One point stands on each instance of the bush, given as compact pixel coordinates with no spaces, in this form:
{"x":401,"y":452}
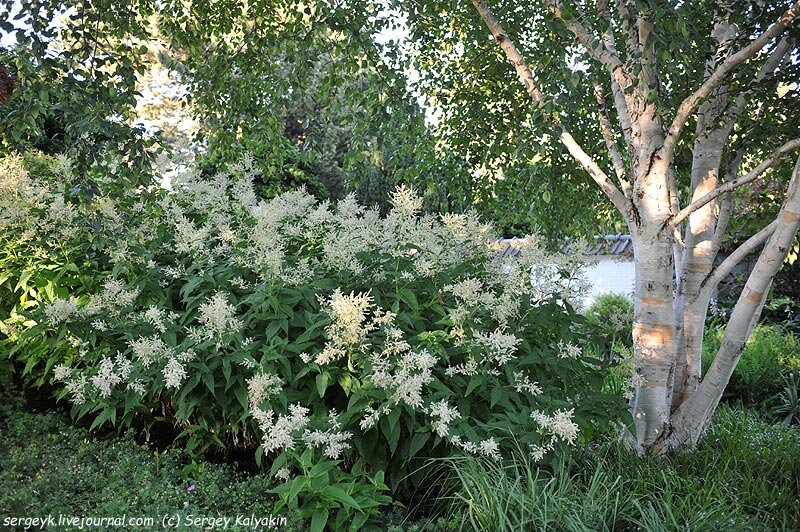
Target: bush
{"x":346,"y":346}
{"x":612,"y":315}
{"x":770,"y":355}
{"x":58,"y":237}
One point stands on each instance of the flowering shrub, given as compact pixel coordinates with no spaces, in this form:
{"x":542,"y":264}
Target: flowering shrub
{"x":328,"y":333}
{"x":58,"y":238}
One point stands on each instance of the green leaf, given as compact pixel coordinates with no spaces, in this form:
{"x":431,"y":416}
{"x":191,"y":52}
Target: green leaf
{"x":319,"y":520}
{"x":322,"y":383}
{"x":338,"y":494}
{"x":417,"y":442}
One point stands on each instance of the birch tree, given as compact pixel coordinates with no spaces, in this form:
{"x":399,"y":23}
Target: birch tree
{"x":620,"y":51}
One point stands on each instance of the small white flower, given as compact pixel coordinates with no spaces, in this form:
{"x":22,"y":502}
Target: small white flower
{"x":445,"y":414}
{"x":60,"y":311}
{"x":262,"y":386}
{"x":174,"y":373}
{"x":62,"y":372}
{"x":217,"y":316}
{"x":559,"y":424}
{"x":568,"y":350}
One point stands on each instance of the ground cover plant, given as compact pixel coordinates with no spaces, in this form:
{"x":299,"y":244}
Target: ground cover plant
{"x":345,"y":347}
{"x":749,"y":470}
{"x":107,"y":475}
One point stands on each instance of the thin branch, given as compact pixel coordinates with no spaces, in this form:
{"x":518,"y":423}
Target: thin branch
{"x":594,"y":46}
{"x":674,"y":202}
{"x":621,"y":105}
{"x":724,"y":268}
{"x":722,"y":224}
{"x":609,"y":138}
{"x":775,"y":59}
{"x":717,"y":77}
{"x":752,"y":175}
{"x":605,"y":52}
{"x":625,"y":17}
{"x":535,"y":92}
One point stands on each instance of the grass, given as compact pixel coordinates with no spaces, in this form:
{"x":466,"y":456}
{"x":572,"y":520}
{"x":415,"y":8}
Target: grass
{"x":769,"y":355}
{"x":745,"y":476}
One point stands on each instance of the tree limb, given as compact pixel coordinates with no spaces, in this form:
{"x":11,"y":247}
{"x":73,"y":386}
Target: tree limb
{"x":722,"y":224}
{"x":724,"y":268}
{"x":625,"y":17}
{"x":609,"y":138}
{"x":693,"y":416}
{"x":752,"y":175}
{"x":535,"y":92}
{"x":716,"y":78}
{"x":594,"y":46}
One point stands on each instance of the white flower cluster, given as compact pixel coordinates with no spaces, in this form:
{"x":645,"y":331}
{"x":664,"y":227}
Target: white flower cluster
{"x":523,"y":384}
{"x":349,"y":324}
{"x":283,"y":474}
{"x":217,"y":317}
{"x":401,"y":369}
{"x":488,"y":447}
{"x":149,"y":349}
{"x":443,"y":415}
{"x":373,"y":415}
{"x":500,"y":346}
{"x":568,"y":350}
{"x":334,"y":439}
{"x":632,"y":384}
{"x":174,"y":373}
{"x":262,"y":386}
{"x":60,"y":311}
{"x":279,"y":432}
{"x":114,"y":298}
{"x":559,"y":424}
{"x":111,"y":373}
{"x":156,"y":317}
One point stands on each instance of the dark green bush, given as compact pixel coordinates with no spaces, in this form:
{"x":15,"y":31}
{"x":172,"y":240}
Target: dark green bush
{"x":768,"y":357}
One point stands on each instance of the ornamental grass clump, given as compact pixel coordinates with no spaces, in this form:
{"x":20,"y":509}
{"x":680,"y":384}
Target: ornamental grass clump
{"x":318,"y":332}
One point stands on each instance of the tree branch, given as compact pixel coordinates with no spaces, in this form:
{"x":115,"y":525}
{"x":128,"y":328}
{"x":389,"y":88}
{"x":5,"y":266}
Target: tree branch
{"x":594,"y":46}
{"x":625,"y":18}
{"x":722,"y":224}
{"x":610,"y":140}
{"x":716,"y":78}
{"x":752,"y":175}
{"x":696,"y":411}
{"x":535,"y":92}
{"x":724,"y":268}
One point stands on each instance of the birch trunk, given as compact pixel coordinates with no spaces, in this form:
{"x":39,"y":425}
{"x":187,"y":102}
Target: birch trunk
{"x":691,"y":305}
{"x":692,"y":418}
